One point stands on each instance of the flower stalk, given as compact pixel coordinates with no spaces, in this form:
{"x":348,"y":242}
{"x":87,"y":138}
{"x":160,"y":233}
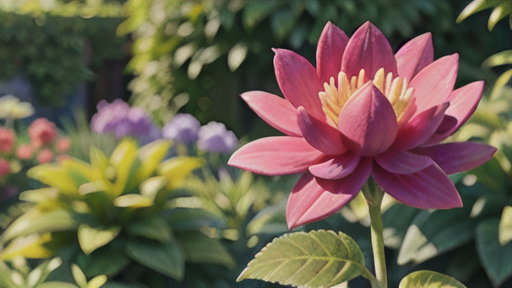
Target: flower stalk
{"x":374,"y":195}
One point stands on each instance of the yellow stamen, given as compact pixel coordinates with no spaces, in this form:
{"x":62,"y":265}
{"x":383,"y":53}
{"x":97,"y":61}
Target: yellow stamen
{"x":334,"y":97}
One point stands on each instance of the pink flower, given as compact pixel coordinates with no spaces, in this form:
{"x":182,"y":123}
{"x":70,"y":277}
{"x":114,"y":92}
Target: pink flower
{"x":45,"y":156}
{"x":42,"y":132}
{"x":24,"y":152}
{"x":63,"y":144}
{"x":5,"y":167}
{"x":7,"y":139}
{"x":364,"y":112}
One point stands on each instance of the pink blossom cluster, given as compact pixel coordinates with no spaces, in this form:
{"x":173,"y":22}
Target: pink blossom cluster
{"x":45,"y":146}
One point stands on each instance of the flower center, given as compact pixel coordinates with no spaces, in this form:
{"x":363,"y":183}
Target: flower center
{"x":396,"y":90}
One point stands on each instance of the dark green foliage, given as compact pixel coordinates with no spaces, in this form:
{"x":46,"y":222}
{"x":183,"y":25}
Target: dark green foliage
{"x":52,"y":51}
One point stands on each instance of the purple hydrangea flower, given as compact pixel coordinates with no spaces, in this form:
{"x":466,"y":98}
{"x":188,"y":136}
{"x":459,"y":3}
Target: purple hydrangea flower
{"x":214,"y":137}
{"x":183,"y":128}
{"x":123,"y":121}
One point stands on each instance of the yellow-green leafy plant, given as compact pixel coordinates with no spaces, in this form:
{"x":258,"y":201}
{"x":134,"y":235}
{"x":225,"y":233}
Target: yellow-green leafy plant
{"x":21,"y":276}
{"x":111,"y":213}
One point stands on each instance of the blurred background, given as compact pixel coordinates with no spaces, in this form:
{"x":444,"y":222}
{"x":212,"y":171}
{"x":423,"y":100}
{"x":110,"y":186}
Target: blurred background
{"x":65,"y":61}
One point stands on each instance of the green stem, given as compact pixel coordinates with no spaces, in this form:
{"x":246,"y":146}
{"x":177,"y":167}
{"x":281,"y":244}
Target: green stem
{"x":374,"y":196}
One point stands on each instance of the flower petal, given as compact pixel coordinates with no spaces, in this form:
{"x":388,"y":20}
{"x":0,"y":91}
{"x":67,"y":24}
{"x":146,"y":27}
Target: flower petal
{"x":368,"y":121}
{"x":402,"y":162}
{"x":417,"y":131}
{"x":458,"y":157}
{"x":320,"y":135}
{"x":414,"y":56}
{"x":329,"y":51}
{"x":429,"y":188}
{"x":463,"y":103}
{"x":368,"y":49}
{"x":275,"y":156}
{"x":337,"y":167}
{"x":434,"y":83}
{"x":298,"y":81}
{"x":313,"y":199}
{"x":274,"y":110}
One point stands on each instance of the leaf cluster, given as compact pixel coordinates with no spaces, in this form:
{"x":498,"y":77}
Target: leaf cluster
{"x":115,"y":214}
{"x":49,"y":45}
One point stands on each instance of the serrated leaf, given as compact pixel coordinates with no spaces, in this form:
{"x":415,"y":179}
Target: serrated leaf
{"x":155,"y":228}
{"x":55,"y":284}
{"x":200,"y":248}
{"x":39,"y":274}
{"x":165,"y":258}
{"x":494,"y":257}
{"x":36,"y":221}
{"x":78,"y":276}
{"x":505,"y":227}
{"x":91,"y":238}
{"x":429,"y":279}
{"x":432,"y":233}
{"x":314,"y":259}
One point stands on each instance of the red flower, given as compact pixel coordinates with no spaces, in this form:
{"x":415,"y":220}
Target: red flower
{"x":45,"y":156}
{"x":5,"y":167}
{"x":7,"y":139}
{"x":24,"y":152}
{"x":42,"y":132}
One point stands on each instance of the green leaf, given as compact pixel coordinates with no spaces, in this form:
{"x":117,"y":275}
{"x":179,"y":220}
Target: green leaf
{"x":108,"y":261}
{"x":501,"y":11}
{"x":429,"y":279}
{"x":200,"y":248}
{"x":494,"y":257}
{"x":165,"y":258}
{"x":432,"y":233}
{"x":150,"y":187}
{"x":39,"y":195}
{"x":97,"y":281}
{"x":39,"y":274}
{"x":502,"y":81}
{"x":31,"y":246}
{"x":56,"y":285}
{"x":133,"y":201}
{"x":506,"y":226}
{"x":314,"y":259}
{"x":37,"y":221}
{"x":78,"y":276}
{"x":150,"y":156}
{"x":255,"y":12}
{"x":396,"y":220}
{"x":53,"y":176}
{"x":193,"y":219}
{"x":155,"y":228}
{"x":475,"y":6}
{"x":501,"y":58}
{"x":91,"y":238}
{"x":5,"y":276}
